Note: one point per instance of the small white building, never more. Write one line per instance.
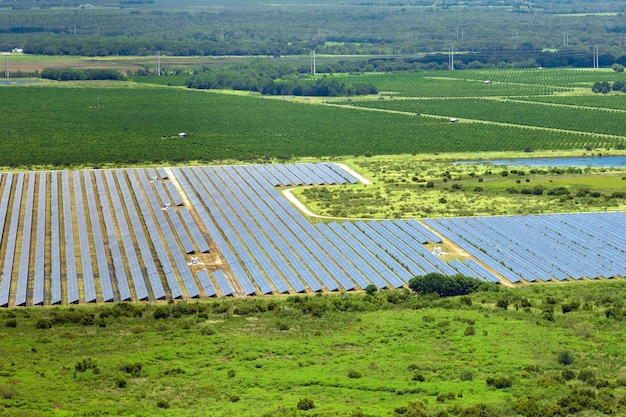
(182, 135)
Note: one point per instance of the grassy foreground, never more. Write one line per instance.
(496, 352)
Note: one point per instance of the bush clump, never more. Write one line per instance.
(354, 374)
(133, 369)
(565, 358)
(499, 382)
(305, 404)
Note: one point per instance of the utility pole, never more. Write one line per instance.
(596, 61)
(451, 59)
(158, 63)
(313, 69)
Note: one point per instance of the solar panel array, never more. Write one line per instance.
(146, 234)
(543, 247)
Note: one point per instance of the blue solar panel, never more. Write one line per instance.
(376, 257)
(222, 282)
(55, 243)
(264, 173)
(196, 234)
(162, 173)
(354, 257)
(7, 272)
(176, 198)
(168, 237)
(40, 248)
(343, 173)
(329, 172)
(4, 203)
(27, 225)
(146, 255)
(114, 246)
(308, 264)
(83, 240)
(206, 284)
(180, 231)
(72, 296)
(96, 233)
(464, 270)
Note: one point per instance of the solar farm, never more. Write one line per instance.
(195, 232)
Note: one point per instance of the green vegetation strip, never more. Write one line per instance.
(495, 352)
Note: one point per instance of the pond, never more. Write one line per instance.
(584, 161)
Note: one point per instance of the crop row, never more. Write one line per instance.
(528, 114)
(613, 102)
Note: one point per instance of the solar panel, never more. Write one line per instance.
(222, 282)
(27, 225)
(55, 244)
(343, 173)
(4, 203)
(176, 197)
(83, 236)
(40, 248)
(7, 270)
(96, 233)
(72, 296)
(157, 242)
(162, 173)
(109, 230)
(197, 236)
(140, 286)
(207, 285)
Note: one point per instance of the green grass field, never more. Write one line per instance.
(348, 354)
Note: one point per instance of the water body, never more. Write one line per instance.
(584, 161)
(17, 82)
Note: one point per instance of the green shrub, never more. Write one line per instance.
(469, 331)
(162, 312)
(43, 324)
(8, 392)
(568, 374)
(565, 358)
(85, 364)
(133, 369)
(305, 404)
(207, 331)
(466, 375)
(499, 382)
(10, 323)
(503, 303)
(231, 373)
(120, 382)
(354, 374)
(163, 404)
(418, 377)
(234, 398)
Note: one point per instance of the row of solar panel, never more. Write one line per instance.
(282, 252)
(92, 255)
(545, 247)
(304, 174)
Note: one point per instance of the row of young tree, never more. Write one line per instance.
(71, 74)
(271, 84)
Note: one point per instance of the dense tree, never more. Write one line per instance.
(445, 286)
